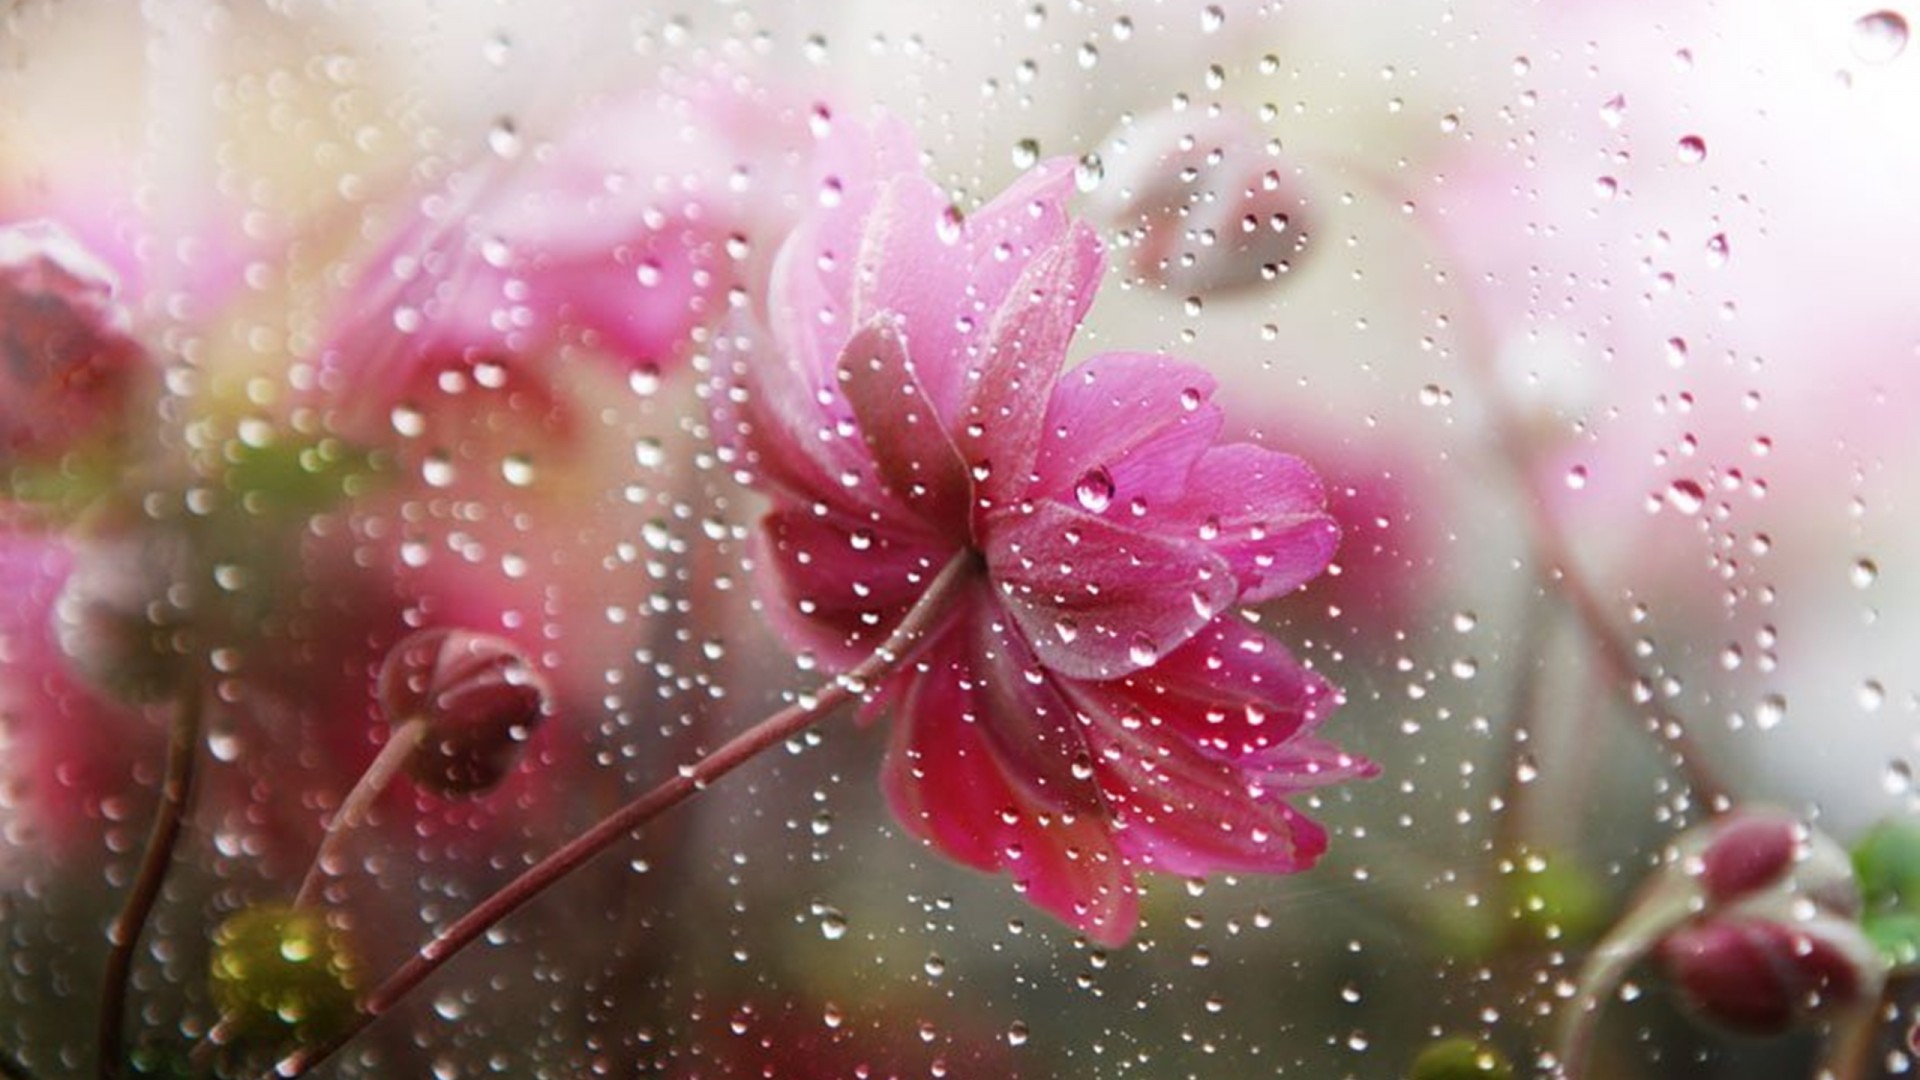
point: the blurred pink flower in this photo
(620, 238)
(69, 750)
(68, 359)
(1086, 708)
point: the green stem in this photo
(175, 792)
(926, 613)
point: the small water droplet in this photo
(1871, 695)
(1088, 172)
(1212, 19)
(497, 50)
(517, 469)
(1614, 110)
(1879, 37)
(1577, 477)
(1898, 779)
(1691, 150)
(1094, 491)
(1686, 496)
(1770, 714)
(1142, 651)
(1017, 1033)
(833, 924)
(1026, 154)
(503, 138)
(1864, 573)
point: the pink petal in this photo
(999, 421)
(1265, 513)
(948, 785)
(839, 587)
(1123, 431)
(1196, 753)
(1097, 600)
(915, 457)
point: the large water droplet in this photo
(1094, 491)
(1879, 37)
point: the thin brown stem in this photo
(932, 606)
(175, 792)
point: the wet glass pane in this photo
(870, 540)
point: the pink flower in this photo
(69, 750)
(1088, 707)
(68, 359)
(620, 238)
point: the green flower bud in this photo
(282, 975)
(1887, 862)
(1460, 1058)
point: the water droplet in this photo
(1017, 1033)
(1676, 352)
(1898, 779)
(1094, 491)
(1717, 250)
(503, 138)
(1142, 651)
(1770, 714)
(1212, 19)
(1614, 110)
(1879, 37)
(833, 924)
(1577, 477)
(1864, 573)
(1871, 695)
(1686, 496)
(1691, 150)
(1088, 173)
(1026, 154)
(517, 469)
(437, 470)
(497, 50)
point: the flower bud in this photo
(1767, 976)
(66, 351)
(123, 616)
(283, 974)
(1460, 1058)
(1205, 207)
(479, 697)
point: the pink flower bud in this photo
(66, 352)
(1204, 206)
(1748, 853)
(1766, 976)
(479, 697)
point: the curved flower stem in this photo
(175, 792)
(353, 810)
(688, 781)
(1553, 557)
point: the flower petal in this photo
(837, 586)
(949, 785)
(1265, 513)
(1097, 600)
(1008, 392)
(1196, 753)
(915, 457)
(1123, 431)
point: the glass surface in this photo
(1070, 539)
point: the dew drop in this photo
(1864, 573)
(1577, 477)
(503, 138)
(1898, 779)
(1026, 154)
(1094, 490)
(517, 470)
(1613, 111)
(1691, 150)
(1871, 695)
(1879, 37)
(1017, 1033)
(1770, 714)
(1686, 496)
